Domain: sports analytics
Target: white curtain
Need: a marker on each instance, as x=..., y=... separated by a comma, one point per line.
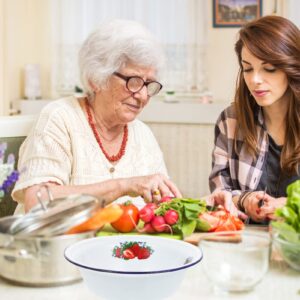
x=294, y=11
x=179, y=24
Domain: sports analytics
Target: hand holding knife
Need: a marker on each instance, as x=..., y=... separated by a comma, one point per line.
x=261, y=201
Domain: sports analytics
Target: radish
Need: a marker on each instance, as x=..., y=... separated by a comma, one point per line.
x=151, y=205
x=165, y=199
x=146, y=214
x=168, y=229
x=158, y=223
x=148, y=228
x=171, y=216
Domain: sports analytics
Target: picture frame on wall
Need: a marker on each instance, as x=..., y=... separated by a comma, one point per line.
x=235, y=13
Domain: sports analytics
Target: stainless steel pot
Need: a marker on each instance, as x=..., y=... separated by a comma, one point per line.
x=38, y=261
x=32, y=245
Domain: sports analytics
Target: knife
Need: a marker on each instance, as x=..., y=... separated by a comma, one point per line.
x=261, y=201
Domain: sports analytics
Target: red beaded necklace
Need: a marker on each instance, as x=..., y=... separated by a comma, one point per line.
x=121, y=152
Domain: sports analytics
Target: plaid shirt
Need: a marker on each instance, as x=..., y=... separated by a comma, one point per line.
x=231, y=171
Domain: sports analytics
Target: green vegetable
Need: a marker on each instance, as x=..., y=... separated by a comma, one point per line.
x=188, y=211
x=108, y=230
x=290, y=213
x=112, y=233
x=202, y=225
x=287, y=227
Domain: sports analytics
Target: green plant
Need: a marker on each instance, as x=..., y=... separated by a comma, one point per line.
x=8, y=175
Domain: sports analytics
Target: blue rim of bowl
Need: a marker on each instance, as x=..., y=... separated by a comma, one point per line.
x=185, y=266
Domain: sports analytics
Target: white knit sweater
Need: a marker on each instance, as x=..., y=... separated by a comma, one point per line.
x=62, y=148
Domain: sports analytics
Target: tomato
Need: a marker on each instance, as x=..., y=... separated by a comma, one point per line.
x=212, y=220
x=222, y=220
x=239, y=225
x=129, y=219
x=226, y=225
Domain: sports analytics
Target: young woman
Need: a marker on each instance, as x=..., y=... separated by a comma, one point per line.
x=257, y=139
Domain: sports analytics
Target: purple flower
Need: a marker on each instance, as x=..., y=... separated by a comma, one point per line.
x=8, y=176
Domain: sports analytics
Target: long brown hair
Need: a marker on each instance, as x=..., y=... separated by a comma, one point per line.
x=275, y=40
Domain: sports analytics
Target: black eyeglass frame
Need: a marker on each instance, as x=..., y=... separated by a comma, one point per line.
x=145, y=83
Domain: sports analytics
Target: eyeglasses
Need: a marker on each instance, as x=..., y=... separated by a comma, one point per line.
x=135, y=83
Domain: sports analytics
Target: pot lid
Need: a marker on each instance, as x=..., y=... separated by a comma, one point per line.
x=55, y=216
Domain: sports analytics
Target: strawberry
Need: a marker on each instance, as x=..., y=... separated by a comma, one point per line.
x=118, y=252
x=143, y=253
x=128, y=254
x=135, y=248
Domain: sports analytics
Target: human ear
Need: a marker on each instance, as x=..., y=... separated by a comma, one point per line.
x=94, y=87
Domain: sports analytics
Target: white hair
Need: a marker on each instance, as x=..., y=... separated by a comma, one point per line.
x=111, y=46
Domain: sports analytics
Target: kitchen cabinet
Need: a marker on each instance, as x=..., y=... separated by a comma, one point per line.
x=185, y=133
x=187, y=152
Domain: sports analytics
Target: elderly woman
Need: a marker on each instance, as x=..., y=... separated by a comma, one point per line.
x=94, y=144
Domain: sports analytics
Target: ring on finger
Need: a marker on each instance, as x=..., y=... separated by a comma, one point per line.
x=156, y=192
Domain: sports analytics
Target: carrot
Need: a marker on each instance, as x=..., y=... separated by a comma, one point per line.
x=102, y=216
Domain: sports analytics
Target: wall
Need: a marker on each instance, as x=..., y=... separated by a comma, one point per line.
x=25, y=33
x=26, y=36
x=2, y=102
x=221, y=63
x=187, y=153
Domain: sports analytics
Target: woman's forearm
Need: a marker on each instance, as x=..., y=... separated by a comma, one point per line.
x=235, y=200
x=108, y=190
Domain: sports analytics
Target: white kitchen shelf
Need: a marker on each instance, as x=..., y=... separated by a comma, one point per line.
x=182, y=112
x=156, y=111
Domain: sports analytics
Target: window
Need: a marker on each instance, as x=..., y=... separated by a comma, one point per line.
x=180, y=25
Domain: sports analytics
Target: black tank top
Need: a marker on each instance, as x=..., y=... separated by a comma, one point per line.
x=272, y=177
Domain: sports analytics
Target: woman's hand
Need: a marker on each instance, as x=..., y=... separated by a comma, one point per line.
x=270, y=205
x=260, y=211
x=224, y=198
x=151, y=187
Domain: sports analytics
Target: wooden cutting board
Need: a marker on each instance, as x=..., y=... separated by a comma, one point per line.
x=196, y=237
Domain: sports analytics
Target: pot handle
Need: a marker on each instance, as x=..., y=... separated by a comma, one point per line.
x=17, y=253
x=39, y=196
x=7, y=248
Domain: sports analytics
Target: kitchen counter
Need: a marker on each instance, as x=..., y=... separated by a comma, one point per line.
x=280, y=283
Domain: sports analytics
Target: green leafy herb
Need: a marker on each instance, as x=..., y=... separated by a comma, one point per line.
x=290, y=213
x=287, y=227
x=188, y=210
x=202, y=226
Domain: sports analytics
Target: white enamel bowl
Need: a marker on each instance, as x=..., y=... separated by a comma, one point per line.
x=114, y=278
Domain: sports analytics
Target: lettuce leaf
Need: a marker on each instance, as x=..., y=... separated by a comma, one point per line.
x=290, y=213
